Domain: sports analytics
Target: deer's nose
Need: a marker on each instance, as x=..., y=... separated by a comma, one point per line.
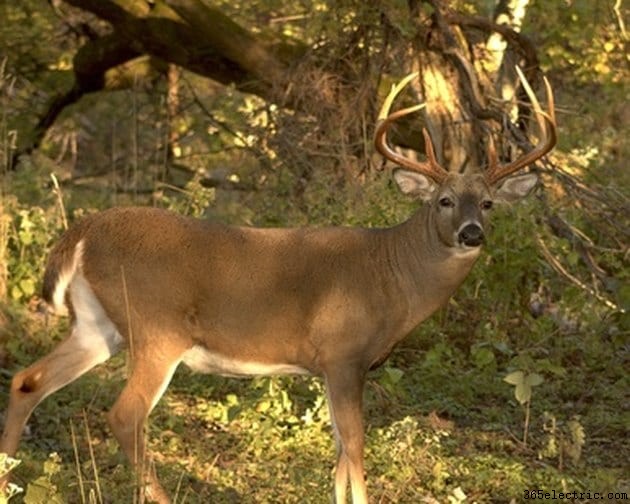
x=471, y=235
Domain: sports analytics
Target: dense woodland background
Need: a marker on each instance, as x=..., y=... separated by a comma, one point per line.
x=261, y=113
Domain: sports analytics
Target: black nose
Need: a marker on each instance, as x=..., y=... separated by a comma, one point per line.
x=471, y=235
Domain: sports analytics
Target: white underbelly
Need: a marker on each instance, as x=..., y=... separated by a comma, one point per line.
x=202, y=360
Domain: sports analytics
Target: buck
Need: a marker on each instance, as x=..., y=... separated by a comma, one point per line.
x=236, y=301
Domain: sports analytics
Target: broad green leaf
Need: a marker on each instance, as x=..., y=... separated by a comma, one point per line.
x=515, y=378
x=523, y=393
x=548, y=366
x=534, y=379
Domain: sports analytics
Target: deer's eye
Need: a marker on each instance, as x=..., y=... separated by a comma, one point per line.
x=446, y=202
x=486, y=205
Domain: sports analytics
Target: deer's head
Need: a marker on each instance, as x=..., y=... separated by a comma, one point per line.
x=460, y=202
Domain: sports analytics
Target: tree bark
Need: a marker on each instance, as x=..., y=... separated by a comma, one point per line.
x=461, y=88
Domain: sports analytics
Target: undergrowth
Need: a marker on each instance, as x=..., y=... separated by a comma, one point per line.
x=518, y=387
x=442, y=422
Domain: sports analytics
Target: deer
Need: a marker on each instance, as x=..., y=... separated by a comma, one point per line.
x=332, y=302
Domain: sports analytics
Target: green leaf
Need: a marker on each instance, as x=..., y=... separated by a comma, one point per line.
x=16, y=293
x=534, y=379
x=232, y=413
x=41, y=490
x=7, y=464
x=26, y=237
x=515, y=378
x=482, y=357
x=263, y=406
x=523, y=393
x=458, y=496
x=548, y=366
x=35, y=494
x=27, y=286
x=393, y=374
x=578, y=435
x=53, y=465
x=503, y=348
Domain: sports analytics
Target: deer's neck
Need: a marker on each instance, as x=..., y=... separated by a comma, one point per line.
x=426, y=270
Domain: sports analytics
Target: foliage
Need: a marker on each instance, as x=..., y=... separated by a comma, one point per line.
x=28, y=243
x=563, y=440
x=523, y=384
x=7, y=464
x=43, y=489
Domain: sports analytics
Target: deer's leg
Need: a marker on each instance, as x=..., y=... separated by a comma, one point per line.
x=84, y=348
x=151, y=372
x=345, y=399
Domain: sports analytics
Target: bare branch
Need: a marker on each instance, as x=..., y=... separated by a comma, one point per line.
x=557, y=265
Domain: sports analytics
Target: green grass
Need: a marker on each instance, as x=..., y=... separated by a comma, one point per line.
x=448, y=427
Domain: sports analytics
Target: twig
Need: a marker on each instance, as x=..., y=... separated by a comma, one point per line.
x=526, y=422
x=77, y=461
x=555, y=264
x=620, y=22
x=221, y=124
x=93, y=459
x=62, y=209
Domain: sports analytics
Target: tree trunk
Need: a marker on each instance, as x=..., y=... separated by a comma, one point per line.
x=448, y=121
x=452, y=126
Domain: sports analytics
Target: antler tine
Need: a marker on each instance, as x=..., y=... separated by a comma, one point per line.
x=546, y=122
x=431, y=167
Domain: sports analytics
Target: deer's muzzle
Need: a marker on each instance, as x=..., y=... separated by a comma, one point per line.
x=471, y=235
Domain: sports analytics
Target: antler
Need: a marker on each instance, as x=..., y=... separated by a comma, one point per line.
x=547, y=124
x=431, y=168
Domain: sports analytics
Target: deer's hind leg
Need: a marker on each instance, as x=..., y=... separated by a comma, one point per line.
x=85, y=347
x=92, y=340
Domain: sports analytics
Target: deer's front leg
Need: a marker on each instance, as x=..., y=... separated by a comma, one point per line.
x=344, y=386
x=151, y=371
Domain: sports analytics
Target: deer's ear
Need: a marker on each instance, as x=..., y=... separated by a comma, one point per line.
x=514, y=188
x=415, y=184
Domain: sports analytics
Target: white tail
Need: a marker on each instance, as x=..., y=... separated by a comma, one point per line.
x=330, y=302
